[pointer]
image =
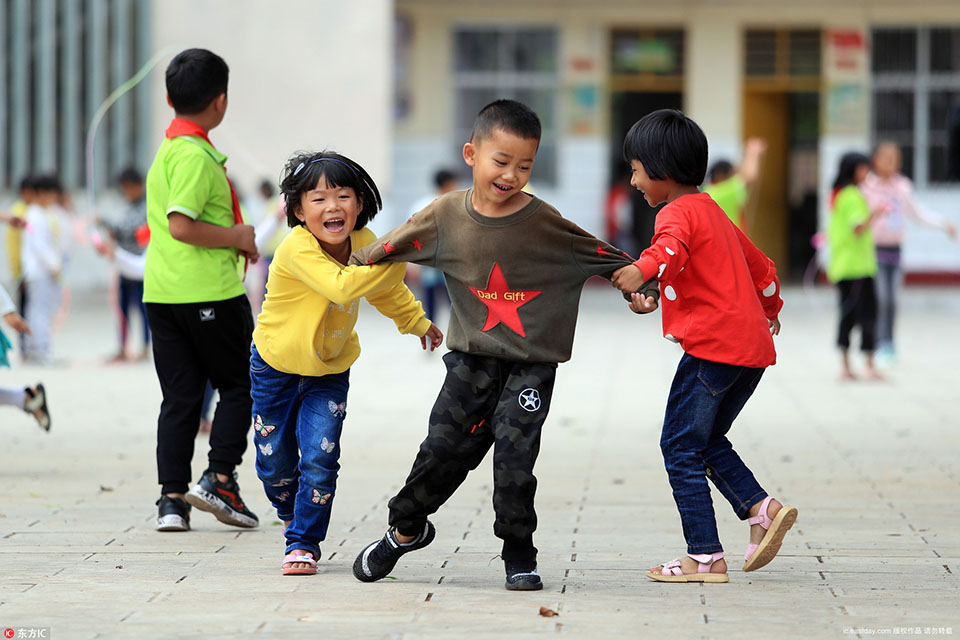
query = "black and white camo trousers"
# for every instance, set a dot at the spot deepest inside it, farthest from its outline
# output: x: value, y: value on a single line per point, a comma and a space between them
x: 484, y: 401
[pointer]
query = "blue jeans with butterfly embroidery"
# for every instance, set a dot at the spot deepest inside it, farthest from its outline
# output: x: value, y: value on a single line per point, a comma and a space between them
x: 297, y: 423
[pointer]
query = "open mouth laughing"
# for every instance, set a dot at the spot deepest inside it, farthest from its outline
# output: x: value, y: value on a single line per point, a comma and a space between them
x: 334, y: 225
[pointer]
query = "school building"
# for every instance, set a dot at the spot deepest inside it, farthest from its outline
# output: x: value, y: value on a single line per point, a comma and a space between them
x: 813, y: 78
x: 396, y: 85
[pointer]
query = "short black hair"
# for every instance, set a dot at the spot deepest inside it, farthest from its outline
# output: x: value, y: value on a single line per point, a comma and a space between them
x: 195, y: 77
x: 720, y: 169
x: 304, y: 170
x: 442, y: 177
x: 266, y: 188
x: 28, y: 181
x: 130, y: 175
x: 848, y: 168
x: 511, y: 116
x: 47, y: 182
x: 669, y: 145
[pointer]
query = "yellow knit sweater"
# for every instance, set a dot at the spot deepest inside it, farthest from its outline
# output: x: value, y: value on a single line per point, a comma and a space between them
x: 307, y: 323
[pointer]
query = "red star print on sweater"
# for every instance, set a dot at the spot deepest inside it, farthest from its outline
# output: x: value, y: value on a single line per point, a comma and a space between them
x: 502, y: 304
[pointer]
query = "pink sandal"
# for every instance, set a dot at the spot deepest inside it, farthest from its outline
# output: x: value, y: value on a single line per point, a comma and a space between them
x: 299, y: 555
x: 759, y: 555
x: 672, y: 572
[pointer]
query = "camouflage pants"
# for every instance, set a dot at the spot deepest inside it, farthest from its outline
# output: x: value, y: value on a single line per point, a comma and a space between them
x: 484, y: 401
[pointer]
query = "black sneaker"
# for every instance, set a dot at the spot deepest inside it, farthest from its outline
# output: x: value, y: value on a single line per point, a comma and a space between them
x: 174, y: 514
x: 36, y: 405
x: 522, y: 576
x: 223, y: 500
x: 380, y: 557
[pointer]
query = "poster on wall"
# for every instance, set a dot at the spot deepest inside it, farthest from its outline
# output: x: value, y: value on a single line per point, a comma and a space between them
x: 581, y: 110
x: 848, y: 109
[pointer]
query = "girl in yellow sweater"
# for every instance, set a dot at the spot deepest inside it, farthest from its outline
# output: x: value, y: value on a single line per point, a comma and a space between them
x: 305, y: 342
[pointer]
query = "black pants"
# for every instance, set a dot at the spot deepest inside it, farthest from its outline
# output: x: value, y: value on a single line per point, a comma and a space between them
x: 193, y: 343
x: 484, y: 401
x: 858, y: 307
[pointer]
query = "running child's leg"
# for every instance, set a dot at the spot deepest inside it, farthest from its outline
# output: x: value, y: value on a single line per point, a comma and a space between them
x: 724, y: 466
x: 687, y: 426
x: 276, y: 403
x: 458, y: 439
x: 517, y: 423
x: 224, y: 347
x: 323, y: 407
x: 13, y: 396
x: 737, y: 483
x: 181, y: 378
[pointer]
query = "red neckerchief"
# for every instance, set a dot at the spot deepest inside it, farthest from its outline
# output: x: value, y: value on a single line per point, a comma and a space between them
x: 180, y: 127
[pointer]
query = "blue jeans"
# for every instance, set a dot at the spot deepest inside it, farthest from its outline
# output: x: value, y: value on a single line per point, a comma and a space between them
x: 298, y: 421
x: 704, y: 400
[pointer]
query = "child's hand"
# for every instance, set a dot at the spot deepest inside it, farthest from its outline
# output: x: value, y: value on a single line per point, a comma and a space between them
x: 434, y: 335
x: 17, y: 322
x: 774, y: 325
x: 628, y: 279
x: 246, y: 242
x: 640, y: 303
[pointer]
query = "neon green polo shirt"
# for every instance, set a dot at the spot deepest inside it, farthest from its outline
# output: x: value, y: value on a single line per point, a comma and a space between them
x: 731, y: 194
x: 852, y: 255
x: 187, y: 177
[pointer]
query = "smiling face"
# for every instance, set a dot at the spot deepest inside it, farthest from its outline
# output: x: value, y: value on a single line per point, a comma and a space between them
x: 330, y: 213
x: 654, y: 191
x: 501, y: 168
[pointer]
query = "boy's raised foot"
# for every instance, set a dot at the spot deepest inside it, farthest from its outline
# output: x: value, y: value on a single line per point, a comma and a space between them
x: 522, y: 576
x: 223, y: 500
x: 379, y: 558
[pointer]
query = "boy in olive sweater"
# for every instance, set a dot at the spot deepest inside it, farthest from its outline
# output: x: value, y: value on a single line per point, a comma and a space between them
x: 514, y: 270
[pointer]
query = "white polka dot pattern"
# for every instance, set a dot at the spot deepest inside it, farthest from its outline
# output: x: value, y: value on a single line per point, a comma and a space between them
x: 670, y: 251
x: 671, y: 338
x: 663, y: 268
x: 670, y: 293
x: 771, y: 289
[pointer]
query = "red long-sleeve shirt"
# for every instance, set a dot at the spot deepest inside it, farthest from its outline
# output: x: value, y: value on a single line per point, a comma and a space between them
x: 717, y: 290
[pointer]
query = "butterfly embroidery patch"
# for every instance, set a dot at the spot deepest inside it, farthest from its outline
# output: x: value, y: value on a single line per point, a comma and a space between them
x: 266, y: 449
x: 327, y: 446
x: 263, y: 429
x: 338, y: 410
x: 320, y: 498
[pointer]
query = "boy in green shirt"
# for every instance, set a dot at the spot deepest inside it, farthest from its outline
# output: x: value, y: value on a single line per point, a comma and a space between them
x: 196, y: 307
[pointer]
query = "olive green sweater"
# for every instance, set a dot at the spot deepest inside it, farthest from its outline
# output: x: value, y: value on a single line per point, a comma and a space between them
x: 514, y: 281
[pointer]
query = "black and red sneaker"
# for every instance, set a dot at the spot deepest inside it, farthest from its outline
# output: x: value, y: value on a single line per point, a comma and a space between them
x: 222, y: 499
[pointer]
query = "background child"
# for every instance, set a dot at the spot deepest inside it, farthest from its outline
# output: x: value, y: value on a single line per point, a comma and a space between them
x: 43, y: 256
x: 853, y: 261
x: 890, y: 195
x: 720, y: 303
x: 731, y: 187
x: 514, y: 269
x: 33, y: 400
x: 129, y: 237
x: 199, y: 316
x: 305, y: 342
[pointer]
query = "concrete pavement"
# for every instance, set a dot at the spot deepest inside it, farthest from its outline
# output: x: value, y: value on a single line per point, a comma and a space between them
x: 872, y: 468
